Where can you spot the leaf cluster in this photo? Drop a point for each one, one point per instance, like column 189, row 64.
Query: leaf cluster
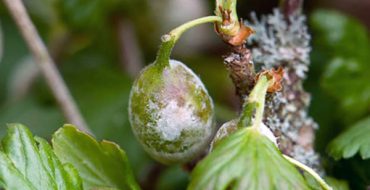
column 76, row 161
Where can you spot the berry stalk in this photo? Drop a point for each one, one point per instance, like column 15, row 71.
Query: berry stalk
column 169, row 40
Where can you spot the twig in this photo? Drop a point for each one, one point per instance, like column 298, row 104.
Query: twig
column 241, row 70
column 47, row 65
column 239, row 62
column 290, row 7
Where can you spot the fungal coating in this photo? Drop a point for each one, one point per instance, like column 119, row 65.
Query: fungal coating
column 280, row 42
column 171, row 113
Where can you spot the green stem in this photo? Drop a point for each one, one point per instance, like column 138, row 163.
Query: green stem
column 169, row 40
column 227, row 5
column 232, row 25
column 255, row 104
column 317, row 177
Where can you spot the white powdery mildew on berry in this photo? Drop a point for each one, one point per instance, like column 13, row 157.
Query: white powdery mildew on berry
column 173, row 119
column 177, row 114
column 196, row 80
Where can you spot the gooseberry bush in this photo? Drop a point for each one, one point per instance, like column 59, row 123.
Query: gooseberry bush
column 172, row 116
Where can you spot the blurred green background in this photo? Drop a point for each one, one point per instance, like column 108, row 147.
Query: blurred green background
column 100, row 46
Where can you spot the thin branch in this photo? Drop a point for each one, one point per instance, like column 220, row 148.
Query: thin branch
column 241, row 70
column 290, row 7
column 46, row 64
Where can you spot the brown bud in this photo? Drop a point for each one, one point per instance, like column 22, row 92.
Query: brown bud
column 243, row 34
column 276, row 76
column 239, row 38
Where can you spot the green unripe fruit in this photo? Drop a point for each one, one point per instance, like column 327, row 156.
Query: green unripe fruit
column 170, row 110
column 231, row 127
column 171, row 113
column 225, row 130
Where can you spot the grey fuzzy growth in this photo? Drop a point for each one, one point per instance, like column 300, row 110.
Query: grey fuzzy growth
column 284, row 41
column 280, row 43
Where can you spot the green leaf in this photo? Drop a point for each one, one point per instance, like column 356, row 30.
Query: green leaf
column 347, row 79
column 345, row 45
column 342, row 34
column 246, row 160
column 28, row 163
column 352, row 141
column 101, row 164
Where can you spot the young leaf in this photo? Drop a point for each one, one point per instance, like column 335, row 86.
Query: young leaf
column 246, row 160
column 356, row 139
column 101, row 165
column 29, row 164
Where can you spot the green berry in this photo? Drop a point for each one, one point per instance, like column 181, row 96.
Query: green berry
column 225, row 130
column 231, row 127
column 171, row 113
